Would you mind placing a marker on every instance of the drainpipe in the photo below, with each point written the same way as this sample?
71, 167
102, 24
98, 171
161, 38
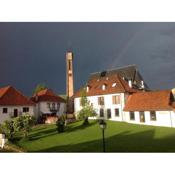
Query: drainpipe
171, 119
122, 105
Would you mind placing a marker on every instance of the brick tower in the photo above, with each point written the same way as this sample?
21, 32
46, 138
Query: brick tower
69, 74
69, 81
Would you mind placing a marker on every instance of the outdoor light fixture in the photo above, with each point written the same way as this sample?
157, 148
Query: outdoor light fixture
102, 124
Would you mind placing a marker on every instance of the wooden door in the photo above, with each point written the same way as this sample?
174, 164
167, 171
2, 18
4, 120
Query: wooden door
15, 112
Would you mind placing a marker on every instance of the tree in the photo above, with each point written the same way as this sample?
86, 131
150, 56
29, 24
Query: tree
39, 87
87, 110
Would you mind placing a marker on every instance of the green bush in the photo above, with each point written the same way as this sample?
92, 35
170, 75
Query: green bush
18, 124
60, 124
8, 129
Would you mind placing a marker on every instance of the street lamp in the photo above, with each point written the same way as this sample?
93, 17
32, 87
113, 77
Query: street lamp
102, 124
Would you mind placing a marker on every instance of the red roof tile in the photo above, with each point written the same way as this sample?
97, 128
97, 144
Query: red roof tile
11, 96
47, 95
147, 101
96, 86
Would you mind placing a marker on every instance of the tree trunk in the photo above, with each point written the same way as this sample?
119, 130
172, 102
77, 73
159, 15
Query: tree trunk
86, 121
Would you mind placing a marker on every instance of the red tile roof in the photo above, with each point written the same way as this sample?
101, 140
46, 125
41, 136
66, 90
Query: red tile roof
96, 86
147, 101
11, 96
47, 95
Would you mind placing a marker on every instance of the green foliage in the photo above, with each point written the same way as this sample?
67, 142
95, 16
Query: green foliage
84, 101
39, 87
27, 123
8, 129
17, 124
87, 110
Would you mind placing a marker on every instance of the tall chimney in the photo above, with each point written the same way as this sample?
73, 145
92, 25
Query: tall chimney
173, 92
69, 74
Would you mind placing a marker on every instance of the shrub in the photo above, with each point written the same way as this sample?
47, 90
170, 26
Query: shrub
60, 124
8, 129
21, 123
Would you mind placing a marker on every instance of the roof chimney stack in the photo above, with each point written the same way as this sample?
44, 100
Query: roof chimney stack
142, 85
130, 83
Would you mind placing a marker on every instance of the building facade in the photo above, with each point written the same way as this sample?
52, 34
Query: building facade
151, 108
48, 104
13, 103
107, 91
123, 95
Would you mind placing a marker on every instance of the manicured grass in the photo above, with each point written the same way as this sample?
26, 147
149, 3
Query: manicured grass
120, 137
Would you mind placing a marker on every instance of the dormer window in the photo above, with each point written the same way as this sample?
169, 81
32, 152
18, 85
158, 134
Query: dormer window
142, 84
114, 84
104, 87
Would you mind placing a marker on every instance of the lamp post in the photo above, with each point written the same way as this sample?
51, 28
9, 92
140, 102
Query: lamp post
102, 124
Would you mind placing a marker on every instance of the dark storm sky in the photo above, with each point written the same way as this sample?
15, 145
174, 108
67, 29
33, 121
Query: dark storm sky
32, 53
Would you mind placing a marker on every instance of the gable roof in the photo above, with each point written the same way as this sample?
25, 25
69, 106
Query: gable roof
148, 101
95, 86
47, 95
129, 72
11, 96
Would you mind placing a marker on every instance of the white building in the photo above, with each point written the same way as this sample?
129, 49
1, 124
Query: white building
107, 91
48, 104
13, 103
151, 108
122, 95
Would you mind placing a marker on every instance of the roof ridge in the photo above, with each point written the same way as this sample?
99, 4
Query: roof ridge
121, 67
161, 90
7, 88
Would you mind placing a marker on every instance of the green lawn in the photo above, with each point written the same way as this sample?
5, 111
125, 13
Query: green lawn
120, 137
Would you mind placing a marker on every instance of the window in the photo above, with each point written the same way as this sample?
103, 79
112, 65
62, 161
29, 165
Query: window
5, 110
116, 99
109, 113
132, 115
48, 105
117, 112
104, 87
114, 84
25, 109
69, 65
58, 106
101, 112
53, 105
152, 115
100, 100
142, 116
